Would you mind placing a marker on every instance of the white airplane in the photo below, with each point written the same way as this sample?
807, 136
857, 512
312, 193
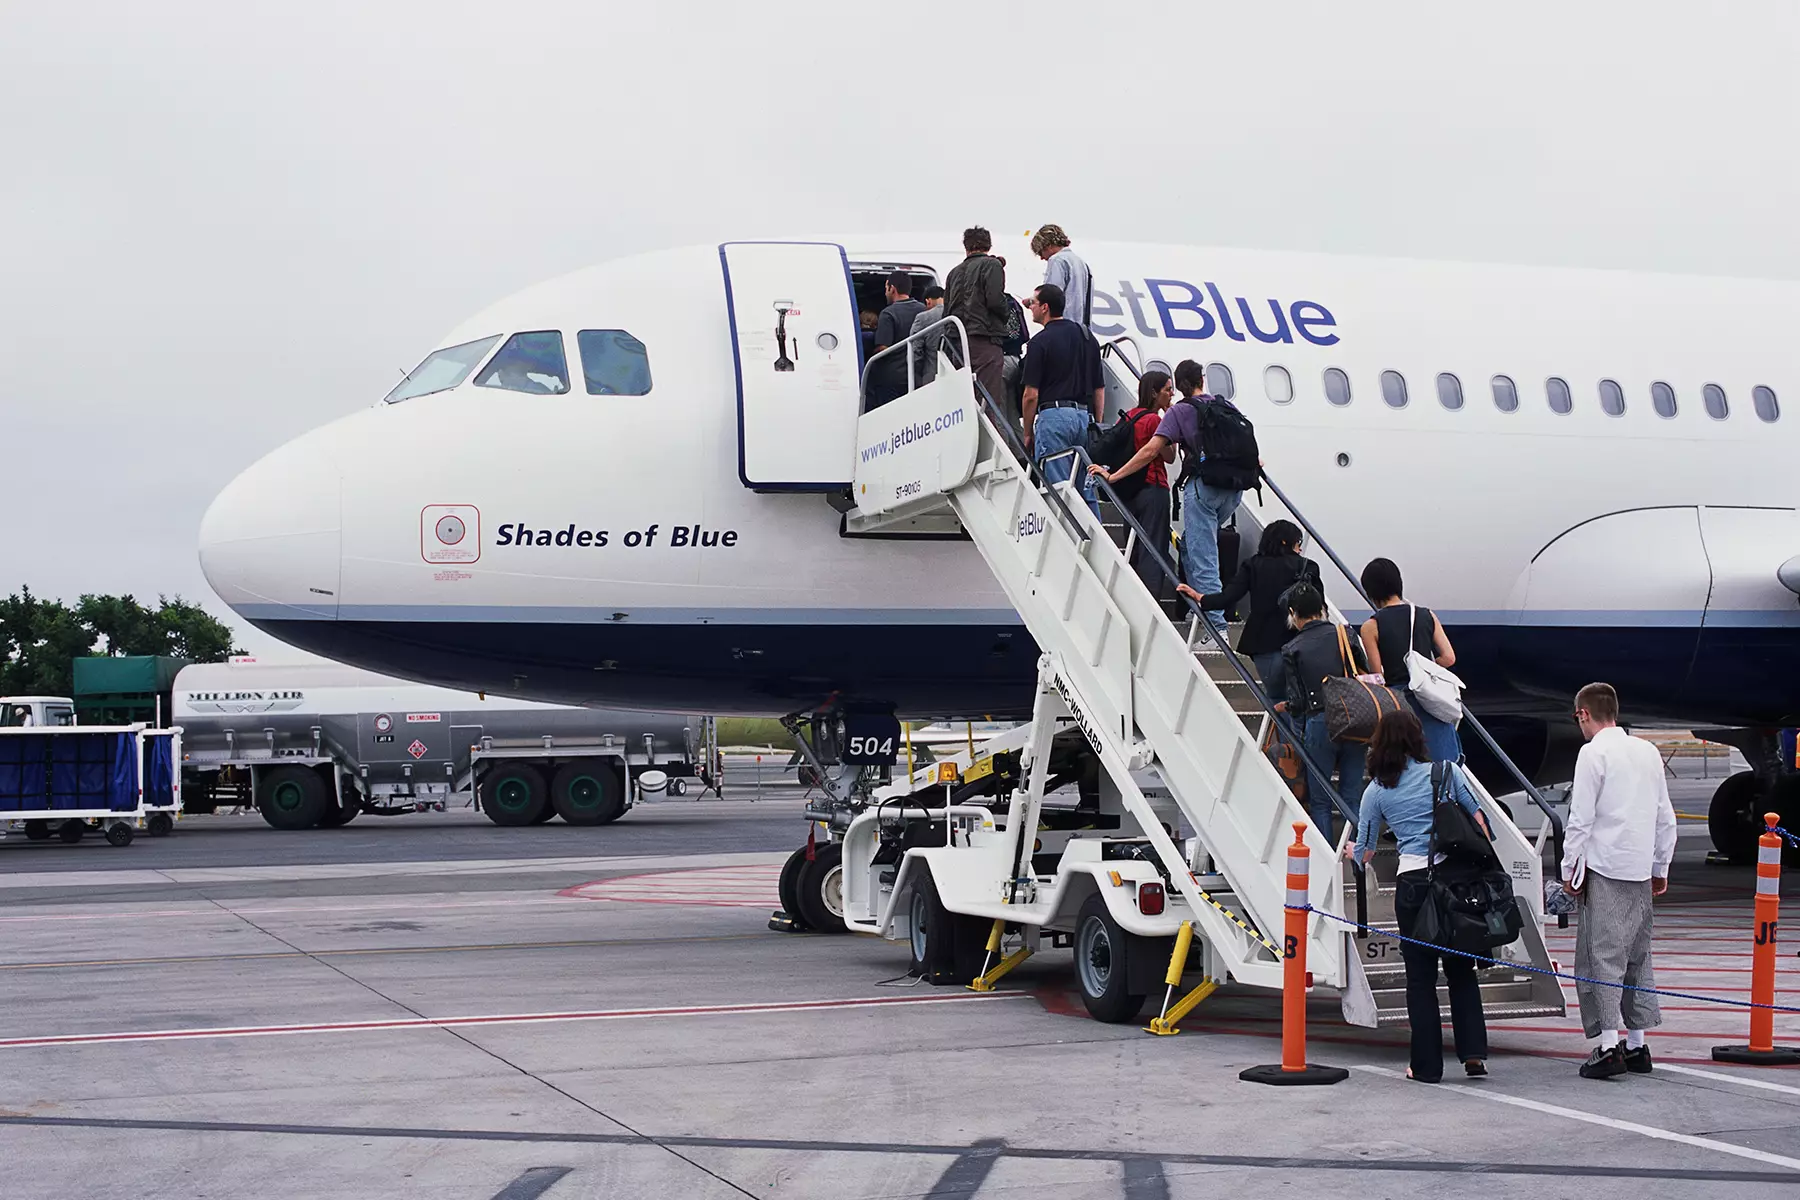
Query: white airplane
615, 488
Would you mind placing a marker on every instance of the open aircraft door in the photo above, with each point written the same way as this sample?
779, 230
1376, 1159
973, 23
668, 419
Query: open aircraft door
795, 339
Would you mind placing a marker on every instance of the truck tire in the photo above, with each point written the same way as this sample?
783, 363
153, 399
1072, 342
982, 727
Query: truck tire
513, 794
344, 807
819, 890
1101, 967
947, 947
292, 797
788, 888
588, 791
545, 817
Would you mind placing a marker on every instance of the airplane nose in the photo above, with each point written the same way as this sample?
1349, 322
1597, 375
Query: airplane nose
270, 544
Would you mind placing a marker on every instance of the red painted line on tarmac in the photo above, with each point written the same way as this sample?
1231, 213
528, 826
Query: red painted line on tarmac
214, 911
612, 1014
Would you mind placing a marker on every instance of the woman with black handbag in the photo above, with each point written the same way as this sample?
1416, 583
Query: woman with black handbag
1315, 665
1401, 795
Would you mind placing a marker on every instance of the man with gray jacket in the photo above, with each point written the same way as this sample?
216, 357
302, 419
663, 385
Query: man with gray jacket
975, 294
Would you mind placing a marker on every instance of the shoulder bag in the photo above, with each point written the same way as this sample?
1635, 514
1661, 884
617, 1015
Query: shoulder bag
1352, 704
1470, 891
1437, 690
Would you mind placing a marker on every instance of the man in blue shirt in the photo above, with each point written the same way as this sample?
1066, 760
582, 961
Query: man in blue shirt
1064, 391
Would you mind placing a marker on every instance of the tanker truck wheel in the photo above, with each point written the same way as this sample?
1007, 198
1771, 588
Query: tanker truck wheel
292, 797
588, 791
513, 794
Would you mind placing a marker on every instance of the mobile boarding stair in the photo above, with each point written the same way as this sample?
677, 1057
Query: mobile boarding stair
1143, 692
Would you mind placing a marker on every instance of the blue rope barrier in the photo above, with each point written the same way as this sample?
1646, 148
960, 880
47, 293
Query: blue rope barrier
1784, 834
1513, 966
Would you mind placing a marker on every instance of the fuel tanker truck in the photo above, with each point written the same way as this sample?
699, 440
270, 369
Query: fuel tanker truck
316, 745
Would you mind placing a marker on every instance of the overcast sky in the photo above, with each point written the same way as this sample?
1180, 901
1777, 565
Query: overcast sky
224, 223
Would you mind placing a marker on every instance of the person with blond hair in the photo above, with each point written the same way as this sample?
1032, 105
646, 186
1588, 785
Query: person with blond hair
1617, 846
1066, 270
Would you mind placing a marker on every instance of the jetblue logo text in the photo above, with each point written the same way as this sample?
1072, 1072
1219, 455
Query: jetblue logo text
677, 536
1200, 311
1029, 525
916, 431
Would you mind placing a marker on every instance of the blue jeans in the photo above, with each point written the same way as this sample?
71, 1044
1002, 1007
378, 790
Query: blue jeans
1056, 430
1441, 740
1269, 672
1347, 759
1203, 510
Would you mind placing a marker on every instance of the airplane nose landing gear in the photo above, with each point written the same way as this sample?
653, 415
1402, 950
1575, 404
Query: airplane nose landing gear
1735, 819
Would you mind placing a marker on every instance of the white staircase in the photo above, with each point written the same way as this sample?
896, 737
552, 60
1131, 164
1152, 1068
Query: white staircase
1133, 679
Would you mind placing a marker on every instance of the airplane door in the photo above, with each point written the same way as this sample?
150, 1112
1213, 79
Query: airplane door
795, 341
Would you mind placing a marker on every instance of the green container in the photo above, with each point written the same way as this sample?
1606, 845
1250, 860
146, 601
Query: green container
120, 691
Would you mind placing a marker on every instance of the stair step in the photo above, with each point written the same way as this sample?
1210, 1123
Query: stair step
1504, 1011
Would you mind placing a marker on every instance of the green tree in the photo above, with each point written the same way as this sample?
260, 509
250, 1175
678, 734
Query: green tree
41, 639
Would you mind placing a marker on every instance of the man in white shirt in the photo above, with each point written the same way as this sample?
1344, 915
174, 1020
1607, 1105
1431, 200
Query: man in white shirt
1616, 851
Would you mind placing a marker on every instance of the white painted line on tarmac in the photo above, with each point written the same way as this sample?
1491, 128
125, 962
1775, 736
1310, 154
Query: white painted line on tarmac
1575, 1114
1764, 1084
610, 1014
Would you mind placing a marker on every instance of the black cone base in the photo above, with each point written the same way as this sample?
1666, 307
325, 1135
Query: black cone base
1311, 1075
1780, 1056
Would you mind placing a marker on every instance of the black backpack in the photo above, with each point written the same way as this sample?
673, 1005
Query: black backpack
1112, 446
1227, 455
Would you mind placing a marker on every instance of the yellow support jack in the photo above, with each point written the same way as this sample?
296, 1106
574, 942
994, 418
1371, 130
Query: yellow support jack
1165, 1025
991, 975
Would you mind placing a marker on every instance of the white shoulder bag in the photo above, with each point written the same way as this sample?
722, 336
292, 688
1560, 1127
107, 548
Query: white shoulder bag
1438, 691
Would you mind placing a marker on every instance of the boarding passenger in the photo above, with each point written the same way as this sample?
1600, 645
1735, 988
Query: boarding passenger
1265, 578
925, 349
1617, 846
1400, 795
1205, 507
1398, 626
1319, 650
975, 294
1146, 495
1064, 268
888, 381
868, 318
1064, 392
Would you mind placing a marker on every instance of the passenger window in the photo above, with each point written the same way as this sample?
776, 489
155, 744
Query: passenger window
1393, 389
1767, 406
532, 363
1506, 395
1662, 397
614, 363
1612, 398
1278, 384
1220, 383
1557, 391
442, 370
1449, 391
1337, 387
1716, 406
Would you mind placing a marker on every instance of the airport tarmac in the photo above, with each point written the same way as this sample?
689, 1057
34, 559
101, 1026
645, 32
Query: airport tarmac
430, 1006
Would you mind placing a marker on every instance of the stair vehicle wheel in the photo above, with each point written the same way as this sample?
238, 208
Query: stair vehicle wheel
119, 834
1735, 818
71, 832
37, 831
292, 797
161, 825
947, 948
514, 794
819, 890
588, 791
1101, 950
789, 887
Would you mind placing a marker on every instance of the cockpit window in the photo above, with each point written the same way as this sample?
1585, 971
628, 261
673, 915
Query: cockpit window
614, 362
442, 369
532, 363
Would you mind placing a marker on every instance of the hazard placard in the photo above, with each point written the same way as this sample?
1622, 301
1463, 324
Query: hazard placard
417, 749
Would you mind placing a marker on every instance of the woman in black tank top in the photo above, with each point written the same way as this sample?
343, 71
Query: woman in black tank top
1397, 627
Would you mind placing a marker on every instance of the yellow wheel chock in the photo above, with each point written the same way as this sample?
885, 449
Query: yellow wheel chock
1166, 1024
991, 975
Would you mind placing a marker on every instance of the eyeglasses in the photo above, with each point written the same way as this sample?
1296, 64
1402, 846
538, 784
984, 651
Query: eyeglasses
1579, 715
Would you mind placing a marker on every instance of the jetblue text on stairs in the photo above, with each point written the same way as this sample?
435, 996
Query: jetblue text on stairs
915, 431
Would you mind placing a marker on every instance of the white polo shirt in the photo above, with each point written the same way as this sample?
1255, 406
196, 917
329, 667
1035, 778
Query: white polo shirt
1621, 823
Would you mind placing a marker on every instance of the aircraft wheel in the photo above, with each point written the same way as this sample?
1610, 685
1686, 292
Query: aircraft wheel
820, 889
161, 825
37, 831
513, 794
292, 797
588, 791
1735, 818
71, 832
1101, 951
789, 888
119, 835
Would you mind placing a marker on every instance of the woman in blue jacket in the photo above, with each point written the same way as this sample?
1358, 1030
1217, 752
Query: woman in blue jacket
1400, 794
